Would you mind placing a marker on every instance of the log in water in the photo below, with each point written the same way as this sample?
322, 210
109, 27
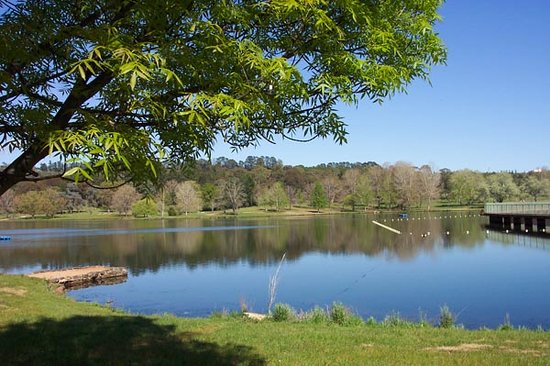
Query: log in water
386, 227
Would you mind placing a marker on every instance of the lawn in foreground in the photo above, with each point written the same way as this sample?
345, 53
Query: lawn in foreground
40, 327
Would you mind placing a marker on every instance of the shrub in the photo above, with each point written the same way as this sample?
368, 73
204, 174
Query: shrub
172, 211
371, 321
317, 315
341, 315
395, 320
507, 325
446, 317
282, 312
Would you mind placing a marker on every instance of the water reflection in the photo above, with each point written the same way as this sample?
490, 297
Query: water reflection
195, 267
154, 244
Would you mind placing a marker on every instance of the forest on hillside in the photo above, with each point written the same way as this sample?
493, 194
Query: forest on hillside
226, 184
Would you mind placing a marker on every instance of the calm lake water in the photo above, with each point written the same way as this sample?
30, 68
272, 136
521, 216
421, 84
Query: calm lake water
196, 267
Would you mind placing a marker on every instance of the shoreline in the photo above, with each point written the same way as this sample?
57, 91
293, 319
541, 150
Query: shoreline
244, 213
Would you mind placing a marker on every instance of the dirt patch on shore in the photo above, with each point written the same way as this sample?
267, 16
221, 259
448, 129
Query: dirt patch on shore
255, 316
530, 352
13, 291
71, 272
464, 347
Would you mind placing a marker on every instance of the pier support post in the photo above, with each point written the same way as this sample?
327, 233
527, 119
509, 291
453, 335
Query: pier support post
507, 223
495, 221
528, 224
516, 223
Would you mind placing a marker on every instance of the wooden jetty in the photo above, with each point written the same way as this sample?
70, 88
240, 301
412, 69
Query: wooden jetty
80, 277
519, 216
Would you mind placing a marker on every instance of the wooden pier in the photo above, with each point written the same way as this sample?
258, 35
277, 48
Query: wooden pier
80, 277
519, 216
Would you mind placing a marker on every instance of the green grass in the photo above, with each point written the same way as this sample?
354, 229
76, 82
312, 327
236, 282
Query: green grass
39, 327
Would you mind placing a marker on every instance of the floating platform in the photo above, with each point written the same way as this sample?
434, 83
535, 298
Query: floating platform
81, 277
5, 237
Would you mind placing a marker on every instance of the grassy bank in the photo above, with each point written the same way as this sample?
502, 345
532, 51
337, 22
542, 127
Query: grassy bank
39, 327
242, 213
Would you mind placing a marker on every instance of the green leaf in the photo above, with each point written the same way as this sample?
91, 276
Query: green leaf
133, 79
71, 171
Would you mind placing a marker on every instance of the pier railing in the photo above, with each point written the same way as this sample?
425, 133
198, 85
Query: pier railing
518, 208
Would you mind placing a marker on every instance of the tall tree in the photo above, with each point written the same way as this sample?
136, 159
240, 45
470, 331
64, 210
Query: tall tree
318, 199
466, 186
210, 195
123, 199
275, 196
119, 86
7, 202
502, 187
332, 186
47, 202
233, 193
403, 175
429, 182
188, 197
535, 187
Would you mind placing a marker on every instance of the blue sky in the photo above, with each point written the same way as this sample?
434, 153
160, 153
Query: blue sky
488, 109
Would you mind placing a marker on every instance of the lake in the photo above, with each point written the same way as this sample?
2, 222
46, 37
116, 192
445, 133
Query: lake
196, 267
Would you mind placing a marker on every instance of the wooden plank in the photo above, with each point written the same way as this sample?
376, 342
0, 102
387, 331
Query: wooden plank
386, 227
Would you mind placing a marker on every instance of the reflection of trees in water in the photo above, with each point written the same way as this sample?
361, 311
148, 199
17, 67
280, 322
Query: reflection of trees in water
329, 234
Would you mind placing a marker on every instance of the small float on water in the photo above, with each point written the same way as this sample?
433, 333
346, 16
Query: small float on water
5, 237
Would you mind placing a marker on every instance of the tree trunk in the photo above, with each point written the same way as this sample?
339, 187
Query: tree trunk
21, 168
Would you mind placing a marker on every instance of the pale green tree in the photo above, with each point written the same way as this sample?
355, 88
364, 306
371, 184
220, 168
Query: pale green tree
275, 196
535, 187
119, 87
144, 208
502, 187
188, 197
364, 193
466, 186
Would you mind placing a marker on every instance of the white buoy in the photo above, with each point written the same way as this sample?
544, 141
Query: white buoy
506, 231
410, 233
447, 233
467, 231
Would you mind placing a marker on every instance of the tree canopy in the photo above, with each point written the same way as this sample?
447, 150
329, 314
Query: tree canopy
117, 88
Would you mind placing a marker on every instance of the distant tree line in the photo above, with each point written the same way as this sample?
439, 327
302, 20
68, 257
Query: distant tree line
226, 184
